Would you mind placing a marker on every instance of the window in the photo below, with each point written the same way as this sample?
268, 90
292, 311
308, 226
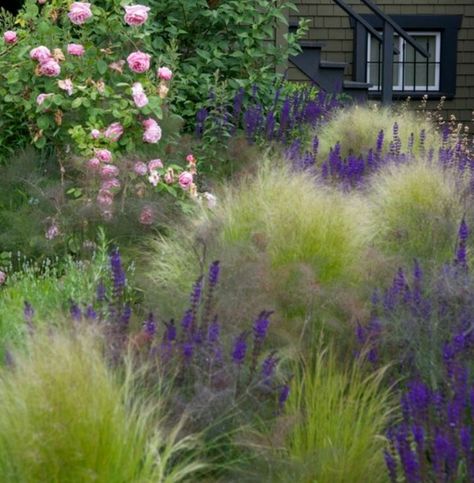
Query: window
413, 74
411, 70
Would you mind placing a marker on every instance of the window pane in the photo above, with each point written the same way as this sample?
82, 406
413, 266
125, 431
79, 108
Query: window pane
420, 72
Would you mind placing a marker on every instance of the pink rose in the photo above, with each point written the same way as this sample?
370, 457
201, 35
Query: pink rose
66, 85
111, 184
76, 49
93, 164
146, 216
164, 73
109, 171
114, 131
185, 180
136, 14
3, 277
105, 198
50, 68
139, 62
104, 155
41, 2
79, 12
41, 53
152, 132
191, 159
154, 164
139, 96
41, 98
140, 168
10, 37
95, 133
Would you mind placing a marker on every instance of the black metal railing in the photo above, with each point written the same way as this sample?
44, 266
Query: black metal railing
409, 76
387, 47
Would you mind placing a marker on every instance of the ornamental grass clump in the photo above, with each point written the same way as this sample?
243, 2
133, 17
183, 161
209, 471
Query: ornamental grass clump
414, 210
282, 239
339, 414
67, 418
294, 220
357, 129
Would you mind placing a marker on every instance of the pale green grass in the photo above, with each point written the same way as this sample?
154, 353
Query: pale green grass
356, 129
296, 221
415, 211
340, 414
67, 419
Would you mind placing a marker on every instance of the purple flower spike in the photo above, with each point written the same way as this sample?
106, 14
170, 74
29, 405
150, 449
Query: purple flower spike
240, 349
213, 332
28, 312
100, 293
170, 333
149, 326
188, 351
260, 326
126, 314
463, 231
391, 466
268, 366
75, 311
283, 396
118, 274
90, 313
214, 273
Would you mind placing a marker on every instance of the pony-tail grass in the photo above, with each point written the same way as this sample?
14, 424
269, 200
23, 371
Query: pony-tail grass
66, 418
415, 210
296, 221
340, 413
356, 128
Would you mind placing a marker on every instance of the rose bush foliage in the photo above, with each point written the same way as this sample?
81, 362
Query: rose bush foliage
82, 80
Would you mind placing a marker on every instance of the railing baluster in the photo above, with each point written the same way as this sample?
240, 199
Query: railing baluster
387, 64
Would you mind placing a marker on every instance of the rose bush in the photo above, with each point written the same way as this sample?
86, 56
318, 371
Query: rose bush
64, 71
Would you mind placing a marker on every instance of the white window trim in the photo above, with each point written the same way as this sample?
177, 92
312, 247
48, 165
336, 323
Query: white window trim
401, 41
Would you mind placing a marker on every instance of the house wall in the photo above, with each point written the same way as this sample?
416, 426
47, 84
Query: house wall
330, 24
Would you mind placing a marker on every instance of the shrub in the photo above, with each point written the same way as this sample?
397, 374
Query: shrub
66, 418
339, 414
415, 210
235, 47
357, 128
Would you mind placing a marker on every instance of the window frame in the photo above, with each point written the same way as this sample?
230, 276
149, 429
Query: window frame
447, 25
401, 86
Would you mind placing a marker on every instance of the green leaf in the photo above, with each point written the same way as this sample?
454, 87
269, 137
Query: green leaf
102, 67
43, 122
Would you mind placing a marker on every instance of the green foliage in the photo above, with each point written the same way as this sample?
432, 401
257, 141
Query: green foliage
100, 94
415, 211
48, 287
67, 418
221, 43
339, 415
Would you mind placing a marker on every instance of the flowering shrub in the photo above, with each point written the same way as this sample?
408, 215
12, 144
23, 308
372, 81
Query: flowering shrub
78, 90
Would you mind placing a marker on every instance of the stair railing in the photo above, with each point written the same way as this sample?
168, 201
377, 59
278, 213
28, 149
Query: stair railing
388, 45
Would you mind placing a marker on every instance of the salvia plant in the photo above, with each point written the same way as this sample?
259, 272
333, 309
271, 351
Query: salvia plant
418, 312
353, 170
200, 354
